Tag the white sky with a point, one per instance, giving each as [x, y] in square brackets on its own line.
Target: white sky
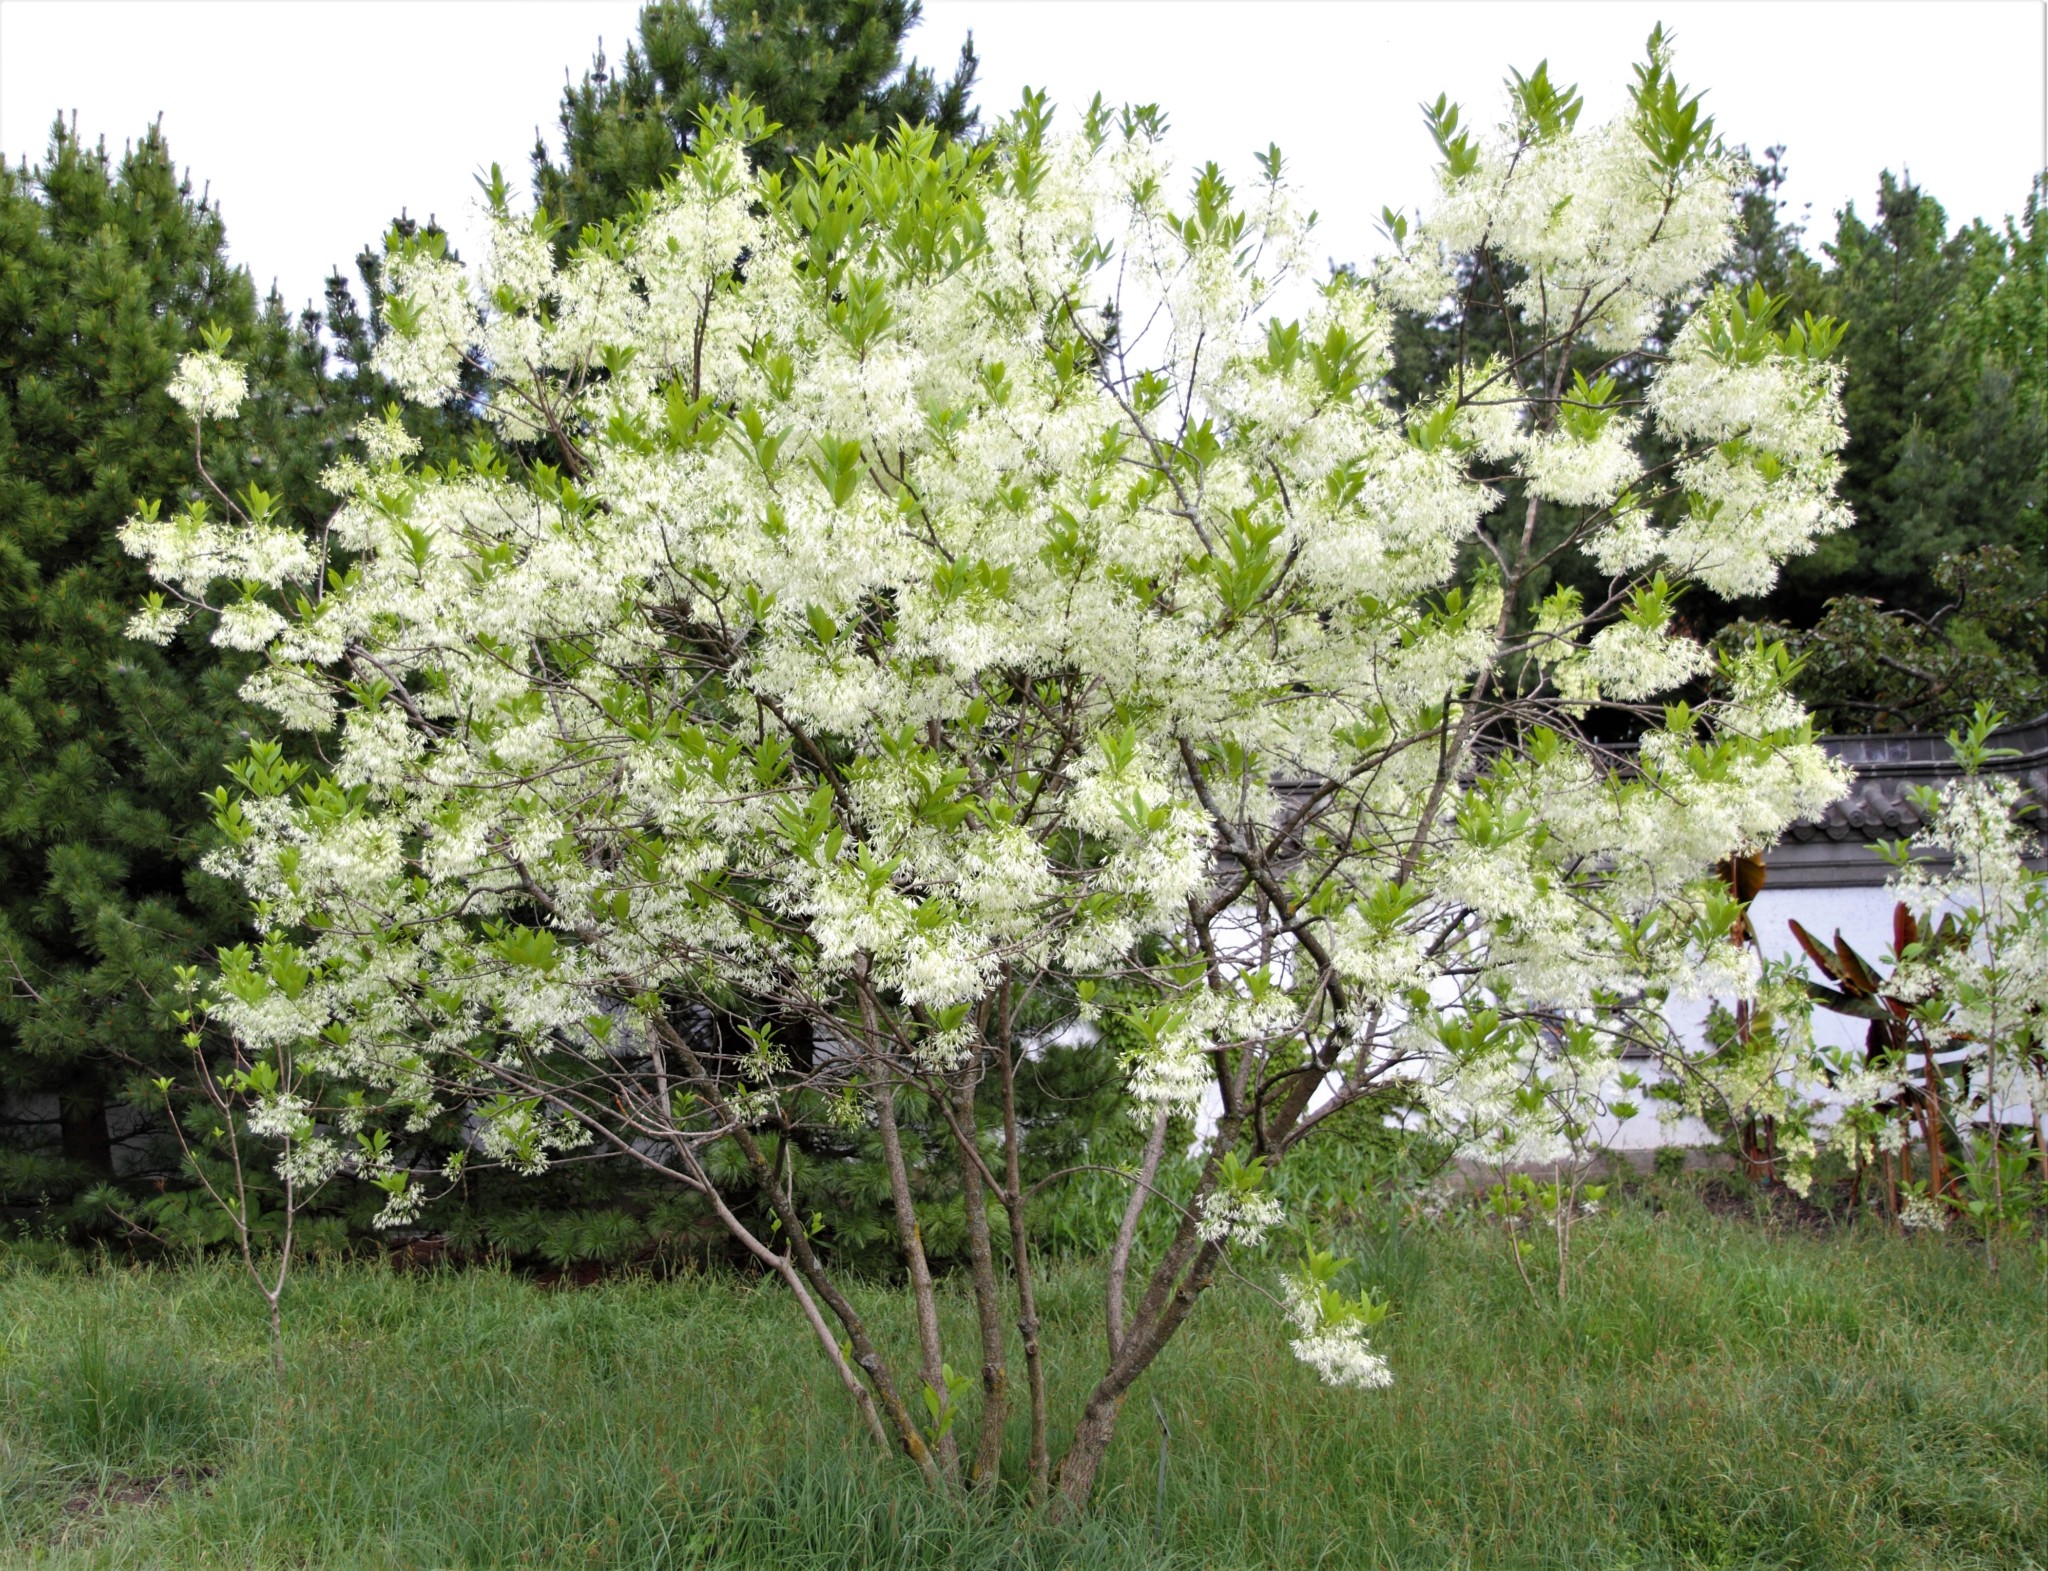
[315, 121]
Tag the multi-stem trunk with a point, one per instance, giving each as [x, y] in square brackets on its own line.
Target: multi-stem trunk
[1179, 1279]
[865, 1354]
[1146, 1339]
[784, 1266]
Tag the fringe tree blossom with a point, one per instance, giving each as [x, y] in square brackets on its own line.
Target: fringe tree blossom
[927, 599]
[1920, 1214]
[1235, 1211]
[156, 623]
[1241, 1219]
[1954, 1039]
[1335, 1337]
[209, 386]
[1343, 1356]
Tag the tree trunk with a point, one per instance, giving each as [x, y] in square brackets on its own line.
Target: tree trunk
[1083, 1461]
[922, 1294]
[988, 1301]
[1040, 1465]
[1039, 1462]
[82, 1129]
[1127, 1232]
[1078, 1468]
[865, 1354]
[784, 1267]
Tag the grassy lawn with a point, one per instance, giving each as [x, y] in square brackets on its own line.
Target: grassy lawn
[1719, 1393]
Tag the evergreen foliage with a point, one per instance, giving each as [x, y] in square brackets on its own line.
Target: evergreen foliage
[829, 72]
[1935, 599]
[1769, 249]
[109, 269]
[2011, 327]
[1947, 435]
[1866, 668]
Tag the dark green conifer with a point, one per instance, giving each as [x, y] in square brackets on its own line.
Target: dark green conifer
[827, 71]
[109, 270]
[1946, 444]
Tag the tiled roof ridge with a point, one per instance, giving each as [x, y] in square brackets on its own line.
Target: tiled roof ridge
[1888, 765]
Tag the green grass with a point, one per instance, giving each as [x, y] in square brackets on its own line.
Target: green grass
[1717, 1394]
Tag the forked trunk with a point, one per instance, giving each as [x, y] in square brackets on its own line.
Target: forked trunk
[864, 1354]
[1127, 1232]
[1165, 1308]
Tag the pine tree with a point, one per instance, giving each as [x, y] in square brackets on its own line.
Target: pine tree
[109, 269]
[1936, 598]
[1770, 248]
[1945, 443]
[2012, 326]
[827, 71]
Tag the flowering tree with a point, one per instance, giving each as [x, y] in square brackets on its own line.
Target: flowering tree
[923, 600]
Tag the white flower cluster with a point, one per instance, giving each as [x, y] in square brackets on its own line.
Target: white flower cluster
[1485, 1102]
[1763, 489]
[1343, 1356]
[1239, 1218]
[1340, 1351]
[1922, 1215]
[432, 329]
[156, 623]
[1173, 1069]
[1628, 661]
[307, 1161]
[1607, 235]
[1566, 468]
[280, 1116]
[209, 386]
